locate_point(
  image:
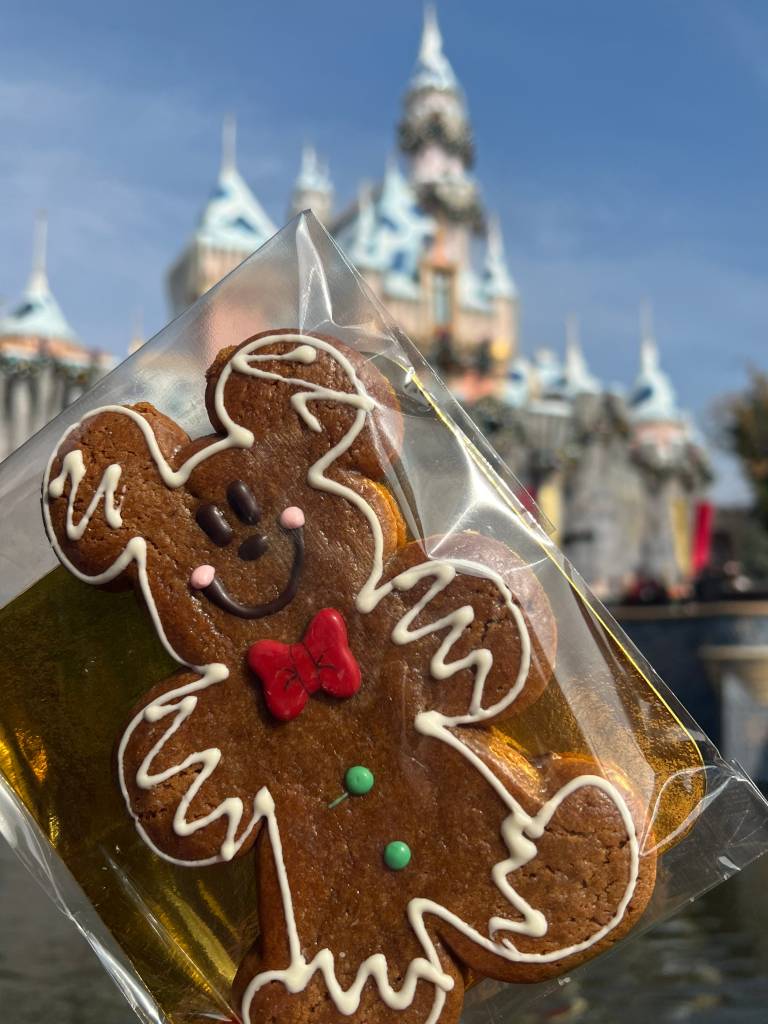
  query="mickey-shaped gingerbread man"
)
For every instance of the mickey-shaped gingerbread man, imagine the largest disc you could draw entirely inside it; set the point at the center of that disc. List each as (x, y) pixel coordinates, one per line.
(324, 656)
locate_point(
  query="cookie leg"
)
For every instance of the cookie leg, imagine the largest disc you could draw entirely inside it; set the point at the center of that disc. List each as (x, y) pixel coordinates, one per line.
(274, 1004)
(584, 880)
(330, 993)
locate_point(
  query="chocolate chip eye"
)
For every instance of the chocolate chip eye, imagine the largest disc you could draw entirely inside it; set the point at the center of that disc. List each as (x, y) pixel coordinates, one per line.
(211, 519)
(243, 503)
(252, 548)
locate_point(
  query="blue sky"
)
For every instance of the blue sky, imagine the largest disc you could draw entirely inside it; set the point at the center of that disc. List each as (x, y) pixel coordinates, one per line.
(624, 146)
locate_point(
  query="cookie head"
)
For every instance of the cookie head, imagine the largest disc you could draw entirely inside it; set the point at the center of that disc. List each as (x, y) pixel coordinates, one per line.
(227, 530)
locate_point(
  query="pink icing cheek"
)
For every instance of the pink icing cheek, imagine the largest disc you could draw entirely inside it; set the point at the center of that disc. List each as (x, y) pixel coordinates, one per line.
(292, 518)
(201, 577)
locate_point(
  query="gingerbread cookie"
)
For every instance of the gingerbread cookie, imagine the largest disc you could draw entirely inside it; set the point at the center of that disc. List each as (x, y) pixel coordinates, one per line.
(336, 695)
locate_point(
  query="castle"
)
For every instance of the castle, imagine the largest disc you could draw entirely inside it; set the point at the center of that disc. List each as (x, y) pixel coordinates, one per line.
(619, 478)
(412, 236)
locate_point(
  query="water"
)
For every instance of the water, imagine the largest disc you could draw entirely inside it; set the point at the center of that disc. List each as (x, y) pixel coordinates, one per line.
(707, 966)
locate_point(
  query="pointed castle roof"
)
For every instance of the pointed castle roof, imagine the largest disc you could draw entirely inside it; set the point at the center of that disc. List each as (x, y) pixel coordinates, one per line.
(433, 69)
(652, 398)
(387, 231)
(577, 379)
(436, 134)
(361, 247)
(38, 315)
(313, 174)
(548, 372)
(516, 390)
(233, 218)
(496, 277)
(479, 287)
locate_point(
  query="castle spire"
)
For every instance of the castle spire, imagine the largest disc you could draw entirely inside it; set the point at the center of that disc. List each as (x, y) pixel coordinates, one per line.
(233, 219)
(436, 135)
(39, 314)
(361, 251)
(578, 379)
(393, 183)
(649, 352)
(310, 167)
(38, 279)
(572, 337)
(433, 69)
(431, 37)
(653, 398)
(233, 224)
(498, 282)
(313, 174)
(313, 188)
(229, 144)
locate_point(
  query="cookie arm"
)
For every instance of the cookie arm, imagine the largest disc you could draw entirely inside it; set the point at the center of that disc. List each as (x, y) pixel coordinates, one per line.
(473, 625)
(187, 808)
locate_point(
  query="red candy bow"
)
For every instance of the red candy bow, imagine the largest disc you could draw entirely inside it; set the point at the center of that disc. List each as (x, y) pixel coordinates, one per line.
(291, 673)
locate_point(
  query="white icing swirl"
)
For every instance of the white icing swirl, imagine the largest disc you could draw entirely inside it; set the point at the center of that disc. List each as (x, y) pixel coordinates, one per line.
(73, 469)
(519, 830)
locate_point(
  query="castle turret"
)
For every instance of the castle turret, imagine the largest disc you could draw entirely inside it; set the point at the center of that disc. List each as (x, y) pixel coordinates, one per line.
(233, 224)
(500, 293)
(436, 135)
(671, 468)
(577, 379)
(496, 277)
(363, 238)
(313, 189)
(38, 316)
(652, 400)
(43, 365)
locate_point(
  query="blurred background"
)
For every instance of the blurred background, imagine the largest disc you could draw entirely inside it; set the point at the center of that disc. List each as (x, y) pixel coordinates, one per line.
(564, 206)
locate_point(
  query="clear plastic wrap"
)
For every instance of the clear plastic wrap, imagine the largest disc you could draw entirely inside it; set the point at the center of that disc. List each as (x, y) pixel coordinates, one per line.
(76, 659)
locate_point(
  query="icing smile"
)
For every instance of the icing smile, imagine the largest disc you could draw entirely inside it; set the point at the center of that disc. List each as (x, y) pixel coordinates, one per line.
(204, 578)
(216, 592)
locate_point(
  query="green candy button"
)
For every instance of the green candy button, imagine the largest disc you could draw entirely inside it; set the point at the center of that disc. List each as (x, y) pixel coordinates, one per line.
(359, 780)
(397, 855)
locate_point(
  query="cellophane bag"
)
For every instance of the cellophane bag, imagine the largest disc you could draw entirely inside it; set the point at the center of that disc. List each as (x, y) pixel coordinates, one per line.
(310, 719)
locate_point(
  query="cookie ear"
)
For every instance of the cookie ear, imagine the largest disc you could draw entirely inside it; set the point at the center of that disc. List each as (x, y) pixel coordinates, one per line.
(305, 395)
(108, 470)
